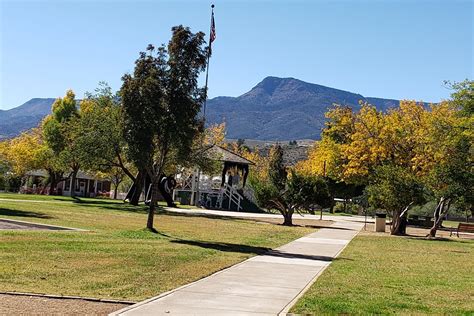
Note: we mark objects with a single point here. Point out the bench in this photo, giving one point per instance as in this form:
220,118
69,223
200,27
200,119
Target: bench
463,228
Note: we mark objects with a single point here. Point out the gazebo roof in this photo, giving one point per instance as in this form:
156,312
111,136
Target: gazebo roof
221,154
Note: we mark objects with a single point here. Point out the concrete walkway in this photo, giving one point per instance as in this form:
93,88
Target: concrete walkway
268,284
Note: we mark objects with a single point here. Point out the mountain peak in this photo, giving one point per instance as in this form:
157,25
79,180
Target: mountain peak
274,109
269,84
282,109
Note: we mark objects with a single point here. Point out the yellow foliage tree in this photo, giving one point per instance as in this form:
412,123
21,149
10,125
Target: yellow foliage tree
215,135
26,152
324,159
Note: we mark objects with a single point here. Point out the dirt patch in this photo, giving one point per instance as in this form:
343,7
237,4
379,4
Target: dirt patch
34,305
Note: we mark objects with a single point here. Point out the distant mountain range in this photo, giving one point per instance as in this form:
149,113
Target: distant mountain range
24,117
275,109
283,109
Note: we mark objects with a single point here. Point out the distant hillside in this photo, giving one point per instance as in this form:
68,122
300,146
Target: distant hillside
282,109
24,117
276,109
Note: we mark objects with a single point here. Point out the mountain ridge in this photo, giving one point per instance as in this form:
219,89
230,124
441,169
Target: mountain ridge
283,109
275,109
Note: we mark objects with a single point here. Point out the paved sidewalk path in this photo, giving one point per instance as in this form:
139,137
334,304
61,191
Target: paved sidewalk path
268,284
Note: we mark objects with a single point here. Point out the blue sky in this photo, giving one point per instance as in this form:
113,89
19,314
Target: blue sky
390,49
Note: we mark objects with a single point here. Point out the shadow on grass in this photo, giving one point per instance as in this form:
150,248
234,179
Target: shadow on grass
163,211
142,209
254,250
96,202
115,205
11,212
222,246
329,226
443,239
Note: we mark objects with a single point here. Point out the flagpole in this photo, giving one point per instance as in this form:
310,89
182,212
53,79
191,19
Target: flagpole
196,195
207,66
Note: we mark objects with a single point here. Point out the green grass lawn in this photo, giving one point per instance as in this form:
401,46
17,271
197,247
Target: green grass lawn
116,258
385,275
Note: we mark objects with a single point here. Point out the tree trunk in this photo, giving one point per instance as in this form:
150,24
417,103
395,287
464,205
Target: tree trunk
115,192
73,185
135,198
287,218
331,209
440,211
151,212
53,182
399,223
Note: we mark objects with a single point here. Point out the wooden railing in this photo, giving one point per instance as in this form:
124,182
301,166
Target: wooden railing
232,195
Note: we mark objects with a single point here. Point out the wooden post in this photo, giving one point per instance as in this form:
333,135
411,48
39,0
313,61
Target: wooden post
71,187
86,193
197,197
193,188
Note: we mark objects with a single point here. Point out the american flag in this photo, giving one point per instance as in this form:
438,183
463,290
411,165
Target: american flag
212,36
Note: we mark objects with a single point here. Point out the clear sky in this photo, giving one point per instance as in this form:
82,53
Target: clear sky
390,49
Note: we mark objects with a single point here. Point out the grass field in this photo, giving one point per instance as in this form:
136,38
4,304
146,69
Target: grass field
379,274
116,258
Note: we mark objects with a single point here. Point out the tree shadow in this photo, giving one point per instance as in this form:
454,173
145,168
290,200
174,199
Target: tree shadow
330,227
11,212
254,250
110,205
163,211
123,208
224,247
290,255
96,202
443,239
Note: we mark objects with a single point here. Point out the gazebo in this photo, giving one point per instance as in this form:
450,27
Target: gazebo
224,191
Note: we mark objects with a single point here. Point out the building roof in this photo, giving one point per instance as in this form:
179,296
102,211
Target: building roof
80,174
221,154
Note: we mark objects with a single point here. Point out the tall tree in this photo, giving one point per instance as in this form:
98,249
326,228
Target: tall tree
395,190
161,101
451,135
26,152
99,138
57,132
288,194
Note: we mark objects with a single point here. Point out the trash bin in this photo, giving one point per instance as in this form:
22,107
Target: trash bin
380,219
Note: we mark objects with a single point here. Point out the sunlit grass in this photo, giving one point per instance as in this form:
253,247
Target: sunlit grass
385,275
116,257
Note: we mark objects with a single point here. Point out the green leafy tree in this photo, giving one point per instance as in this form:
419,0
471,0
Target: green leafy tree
161,101
99,138
463,96
58,134
394,189
291,194
452,180
276,170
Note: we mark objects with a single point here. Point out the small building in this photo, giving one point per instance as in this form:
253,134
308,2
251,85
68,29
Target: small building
86,185
226,190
